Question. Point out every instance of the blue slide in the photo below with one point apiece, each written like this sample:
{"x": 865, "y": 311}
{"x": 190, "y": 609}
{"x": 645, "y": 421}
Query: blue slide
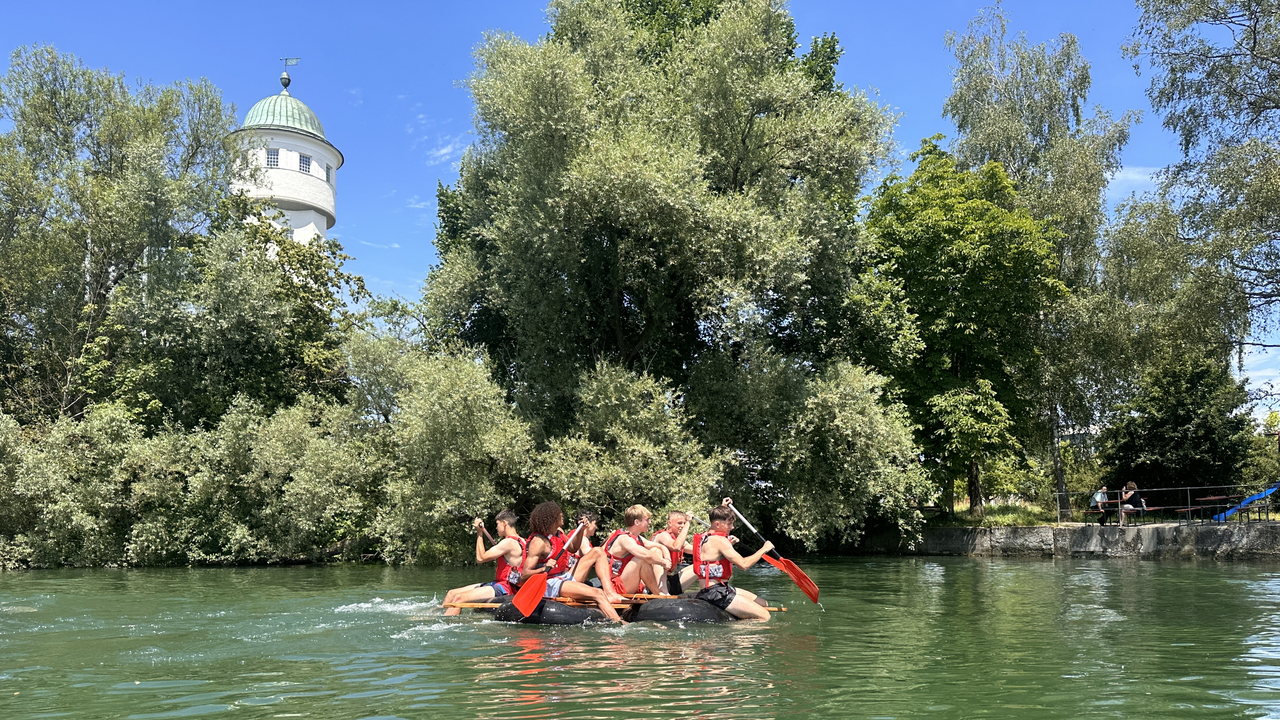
{"x": 1220, "y": 517}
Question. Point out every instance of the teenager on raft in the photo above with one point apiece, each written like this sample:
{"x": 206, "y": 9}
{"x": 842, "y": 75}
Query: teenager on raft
{"x": 543, "y": 553}
{"x": 626, "y": 563}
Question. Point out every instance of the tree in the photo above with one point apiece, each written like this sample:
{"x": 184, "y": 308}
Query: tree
{"x": 242, "y": 311}
{"x": 630, "y": 444}
{"x": 845, "y": 455}
{"x": 1023, "y": 105}
{"x": 977, "y": 270}
{"x": 96, "y": 180}
{"x": 1188, "y": 426}
{"x": 659, "y": 210}
{"x": 1214, "y": 81}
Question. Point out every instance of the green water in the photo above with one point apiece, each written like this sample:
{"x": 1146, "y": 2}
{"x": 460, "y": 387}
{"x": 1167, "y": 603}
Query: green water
{"x": 900, "y": 638}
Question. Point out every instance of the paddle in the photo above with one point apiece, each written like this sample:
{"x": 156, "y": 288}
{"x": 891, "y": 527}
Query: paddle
{"x": 797, "y": 575}
{"x": 527, "y": 597}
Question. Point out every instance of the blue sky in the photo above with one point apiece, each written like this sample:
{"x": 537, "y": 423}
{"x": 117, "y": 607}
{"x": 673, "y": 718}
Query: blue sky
{"x": 385, "y": 80}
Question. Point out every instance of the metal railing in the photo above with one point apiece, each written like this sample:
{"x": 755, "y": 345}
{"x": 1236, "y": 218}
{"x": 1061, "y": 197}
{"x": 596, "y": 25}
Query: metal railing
{"x": 1184, "y": 504}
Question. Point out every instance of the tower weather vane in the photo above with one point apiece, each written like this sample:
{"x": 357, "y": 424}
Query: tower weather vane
{"x": 284, "y": 76}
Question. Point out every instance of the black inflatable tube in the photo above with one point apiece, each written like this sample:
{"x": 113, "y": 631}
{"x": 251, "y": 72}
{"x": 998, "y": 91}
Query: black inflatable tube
{"x": 680, "y": 610}
{"x": 549, "y": 612}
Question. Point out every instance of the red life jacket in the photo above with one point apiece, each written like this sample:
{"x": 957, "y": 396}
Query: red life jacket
{"x": 616, "y": 564}
{"x": 710, "y": 570}
{"x": 556, "y": 542}
{"x": 506, "y": 572}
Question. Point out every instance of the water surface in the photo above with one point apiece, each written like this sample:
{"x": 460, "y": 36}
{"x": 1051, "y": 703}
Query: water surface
{"x": 900, "y": 638}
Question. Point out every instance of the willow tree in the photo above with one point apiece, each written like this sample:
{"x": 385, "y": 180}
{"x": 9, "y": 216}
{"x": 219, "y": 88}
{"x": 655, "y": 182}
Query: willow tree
{"x": 677, "y": 198}
{"x": 1214, "y": 81}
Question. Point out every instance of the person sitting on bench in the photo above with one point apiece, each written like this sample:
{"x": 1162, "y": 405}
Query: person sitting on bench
{"x": 1131, "y": 499}
{"x": 1099, "y": 502}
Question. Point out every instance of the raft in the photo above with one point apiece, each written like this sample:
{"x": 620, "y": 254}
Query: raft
{"x": 550, "y": 612}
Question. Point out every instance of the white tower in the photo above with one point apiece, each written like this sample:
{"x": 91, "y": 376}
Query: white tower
{"x": 299, "y": 166}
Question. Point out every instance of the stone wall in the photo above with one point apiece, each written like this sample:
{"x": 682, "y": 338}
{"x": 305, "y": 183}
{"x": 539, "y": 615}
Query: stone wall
{"x": 1235, "y": 541}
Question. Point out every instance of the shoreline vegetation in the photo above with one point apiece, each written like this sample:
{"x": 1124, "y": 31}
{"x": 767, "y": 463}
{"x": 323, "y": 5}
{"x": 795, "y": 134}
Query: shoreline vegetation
{"x": 679, "y": 263}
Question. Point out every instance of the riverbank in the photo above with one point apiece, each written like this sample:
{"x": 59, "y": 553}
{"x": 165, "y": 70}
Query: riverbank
{"x": 1234, "y": 541}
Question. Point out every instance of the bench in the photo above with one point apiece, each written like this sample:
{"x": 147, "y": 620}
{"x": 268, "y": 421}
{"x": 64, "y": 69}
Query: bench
{"x": 1186, "y": 512}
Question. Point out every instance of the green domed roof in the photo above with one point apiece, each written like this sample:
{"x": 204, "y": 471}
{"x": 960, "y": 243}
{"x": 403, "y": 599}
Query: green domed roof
{"x": 284, "y": 111}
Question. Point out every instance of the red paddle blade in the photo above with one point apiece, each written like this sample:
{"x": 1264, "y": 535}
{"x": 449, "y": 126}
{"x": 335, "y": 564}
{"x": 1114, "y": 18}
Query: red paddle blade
{"x": 802, "y": 581}
{"x": 530, "y": 593}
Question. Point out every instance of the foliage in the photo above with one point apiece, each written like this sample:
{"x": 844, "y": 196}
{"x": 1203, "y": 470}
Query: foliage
{"x": 630, "y": 444}
{"x": 458, "y": 451}
{"x": 659, "y": 210}
{"x": 1213, "y": 81}
{"x": 1187, "y": 427}
{"x": 96, "y": 179}
{"x": 1262, "y": 469}
{"x": 976, "y": 270}
{"x": 847, "y": 455}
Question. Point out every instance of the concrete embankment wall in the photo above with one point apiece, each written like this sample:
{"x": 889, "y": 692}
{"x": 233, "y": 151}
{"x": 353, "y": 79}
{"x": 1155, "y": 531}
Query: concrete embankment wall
{"x": 1236, "y": 541}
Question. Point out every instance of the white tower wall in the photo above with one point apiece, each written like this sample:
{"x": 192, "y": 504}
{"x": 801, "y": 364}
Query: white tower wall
{"x": 283, "y": 135}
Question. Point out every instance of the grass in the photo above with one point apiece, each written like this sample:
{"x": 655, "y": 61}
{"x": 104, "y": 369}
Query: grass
{"x": 1015, "y": 514}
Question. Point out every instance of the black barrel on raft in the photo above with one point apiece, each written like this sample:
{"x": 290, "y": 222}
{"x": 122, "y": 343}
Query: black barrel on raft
{"x": 549, "y": 612}
{"x": 680, "y": 610}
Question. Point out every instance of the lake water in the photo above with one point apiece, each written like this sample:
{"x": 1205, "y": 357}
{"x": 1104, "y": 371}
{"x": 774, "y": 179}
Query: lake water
{"x": 900, "y": 638}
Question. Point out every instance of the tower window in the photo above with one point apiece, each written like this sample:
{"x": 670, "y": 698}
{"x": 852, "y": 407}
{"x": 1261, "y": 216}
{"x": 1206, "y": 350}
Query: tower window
{"x": 328, "y": 174}
{"x": 304, "y": 163}
{"x": 273, "y": 158}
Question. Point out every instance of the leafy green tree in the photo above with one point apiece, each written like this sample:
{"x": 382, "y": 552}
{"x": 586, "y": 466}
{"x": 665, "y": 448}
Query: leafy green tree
{"x": 1188, "y": 426}
{"x": 1214, "y": 81}
{"x": 846, "y": 455}
{"x": 1024, "y": 106}
{"x": 977, "y": 270}
{"x": 244, "y": 311}
{"x": 660, "y": 211}
{"x": 456, "y": 450}
{"x": 96, "y": 179}
{"x": 630, "y": 444}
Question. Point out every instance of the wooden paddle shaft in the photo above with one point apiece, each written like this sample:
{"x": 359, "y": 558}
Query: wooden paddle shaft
{"x": 772, "y": 553}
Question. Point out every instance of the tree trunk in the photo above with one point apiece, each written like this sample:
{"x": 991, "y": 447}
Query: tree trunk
{"x": 1059, "y": 474}
{"x": 976, "y": 504}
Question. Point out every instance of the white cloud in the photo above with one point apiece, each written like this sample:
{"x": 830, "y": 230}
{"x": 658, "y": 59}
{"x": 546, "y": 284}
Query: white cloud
{"x": 1131, "y": 179}
{"x": 446, "y": 150}
{"x": 415, "y": 203}
{"x": 380, "y": 247}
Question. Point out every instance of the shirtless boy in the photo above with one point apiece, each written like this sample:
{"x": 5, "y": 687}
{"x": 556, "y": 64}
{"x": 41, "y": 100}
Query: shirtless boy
{"x": 634, "y": 560}
{"x": 674, "y": 538}
{"x": 508, "y": 551}
{"x": 713, "y": 561}
{"x": 545, "y": 542}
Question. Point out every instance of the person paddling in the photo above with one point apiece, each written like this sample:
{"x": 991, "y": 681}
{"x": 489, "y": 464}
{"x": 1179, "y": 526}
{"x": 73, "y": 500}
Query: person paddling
{"x": 508, "y": 551}
{"x": 713, "y": 561}
{"x": 633, "y": 560}
{"x": 547, "y": 545}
